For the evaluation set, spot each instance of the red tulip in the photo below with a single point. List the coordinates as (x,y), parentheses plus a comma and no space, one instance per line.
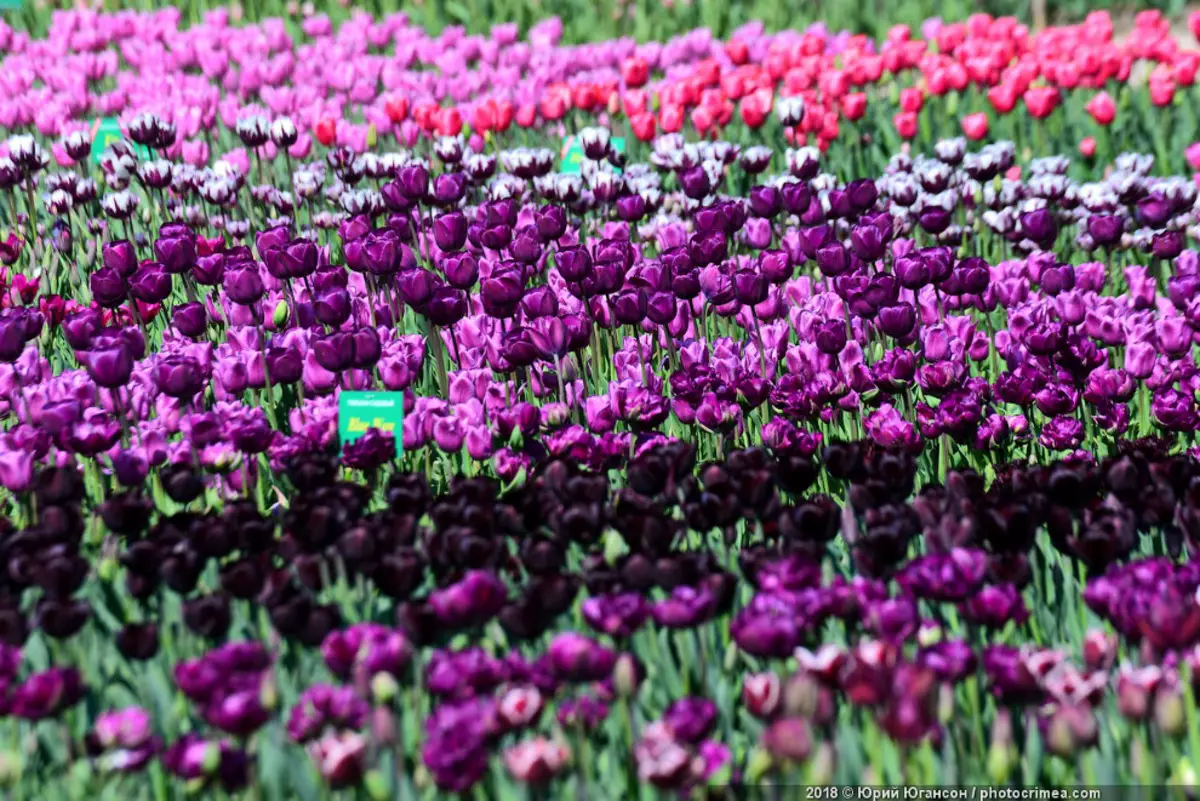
(449,121)
(911,99)
(503,110)
(671,118)
(1162,86)
(854,105)
(396,107)
(1087,147)
(975,126)
(1194,23)
(738,51)
(326,131)
(906,124)
(1041,101)
(555,101)
(754,114)
(1102,108)
(483,119)
(643,126)
(526,115)
(1003,97)
(584,97)
(702,119)
(635,71)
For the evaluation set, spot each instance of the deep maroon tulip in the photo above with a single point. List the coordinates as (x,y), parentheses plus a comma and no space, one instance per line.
(108,287)
(450,230)
(501,292)
(446,306)
(749,286)
(120,256)
(416,287)
(539,302)
(695,183)
(629,306)
(332,307)
(576,658)
(472,601)
(574,263)
(461,270)
(190,319)
(1105,229)
(831,336)
(110,367)
(934,220)
(551,222)
(897,321)
(334,351)
(448,189)
(46,694)
(367,348)
(1167,245)
(243,284)
(691,719)
(150,283)
(177,253)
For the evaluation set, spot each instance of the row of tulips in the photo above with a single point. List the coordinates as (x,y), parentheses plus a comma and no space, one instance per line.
(672,628)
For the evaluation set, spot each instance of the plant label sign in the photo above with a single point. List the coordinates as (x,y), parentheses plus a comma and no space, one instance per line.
(10,5)
(572,154)
(107,131)
(360,411)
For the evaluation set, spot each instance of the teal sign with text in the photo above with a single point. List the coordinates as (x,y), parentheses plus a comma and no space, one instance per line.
(107,131)
(359,412)
(572,154)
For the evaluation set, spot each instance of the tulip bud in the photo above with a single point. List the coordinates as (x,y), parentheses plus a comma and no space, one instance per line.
(758,766)
(626,676)
(823,766)
(384,687)
(377,786)
(1169,713)
(11,767)
(280,316)
(269,696)
(929,634)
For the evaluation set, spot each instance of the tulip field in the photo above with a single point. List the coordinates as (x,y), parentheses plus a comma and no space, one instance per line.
(391,409)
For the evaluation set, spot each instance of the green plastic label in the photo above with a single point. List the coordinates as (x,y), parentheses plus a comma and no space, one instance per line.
(107,131)
(572,154)
(10,5)
(360,411)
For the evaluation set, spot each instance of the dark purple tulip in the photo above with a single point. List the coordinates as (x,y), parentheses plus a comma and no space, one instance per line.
(614,251)
(46,694)
(416,287)
(367,348)
(210,270)
(413,182)
(272,238)
(332,307)
(868,242)
(574,263)
(765,201)
(501,292)
(383,253)
(448,189)
(334,351)
(691,719)
(686,285)
(539,302)
(108,287)
(797,197)
(995,607)
(1167,245)
(240,713)
(178,377)
(661,308)
(695,183)
(708,248)
(579,331)
(711,218)
(497,237)
(862,194)
(897,321)
(250,436)
(551,222)
(749,286)
(576,658)
(285,365)
(12,340)
(775,266)
(1039,225)
(243,284)
(831,336)
(130,468)
(1056,280)
(1105,229)
(813,238)
(395,199)
(110,367)
(461,270)
(177,253)
(526,246)
(297,259)
(934,220)
(120,256)
(629,306)
(1154,210)
(450,230)
(79,327)
(190,319)
(446,306)
(472,601)
(912,271)
(150,284)
(833,260)
(519,348)
(631,208)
